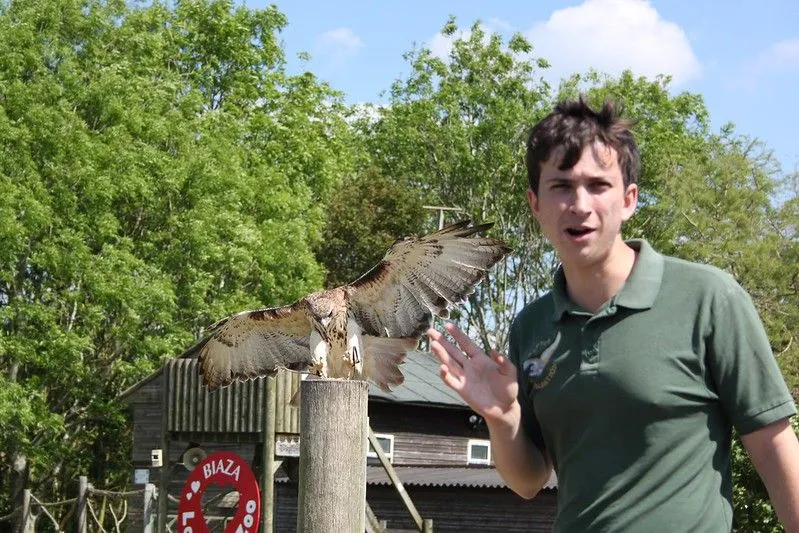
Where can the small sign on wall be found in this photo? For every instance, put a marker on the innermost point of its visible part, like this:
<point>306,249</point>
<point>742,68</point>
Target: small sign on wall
<point>141,476</point>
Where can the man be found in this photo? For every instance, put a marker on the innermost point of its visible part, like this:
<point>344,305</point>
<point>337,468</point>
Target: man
<point>628,377</point>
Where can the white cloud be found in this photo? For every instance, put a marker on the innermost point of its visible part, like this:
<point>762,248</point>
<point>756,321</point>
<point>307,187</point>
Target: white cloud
<point>611,36</point>
<point>784,54</point>
<point>499,25</point>
<point>337,46</point>
<point>779,58</point>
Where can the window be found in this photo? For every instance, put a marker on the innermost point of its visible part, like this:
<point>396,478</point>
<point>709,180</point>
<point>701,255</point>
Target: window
<point>387,443</point>
<point>479,452</point>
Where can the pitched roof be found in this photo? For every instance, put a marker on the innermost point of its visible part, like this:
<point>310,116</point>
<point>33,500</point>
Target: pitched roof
<point>422,384</point>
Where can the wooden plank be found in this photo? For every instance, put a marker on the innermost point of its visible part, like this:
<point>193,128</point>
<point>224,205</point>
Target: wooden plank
<point>268,460</point>
<point>395,480</point>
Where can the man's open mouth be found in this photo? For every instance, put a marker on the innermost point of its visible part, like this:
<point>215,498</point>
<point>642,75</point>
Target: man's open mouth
<point>578,232</point>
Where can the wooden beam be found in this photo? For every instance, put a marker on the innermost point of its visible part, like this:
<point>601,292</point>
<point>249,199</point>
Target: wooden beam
<point>333,443</point>
<point>396,481</point>
<point>163,482</point>
<point>268,460</point>
<point>149,516</point>
<point>373,525</point>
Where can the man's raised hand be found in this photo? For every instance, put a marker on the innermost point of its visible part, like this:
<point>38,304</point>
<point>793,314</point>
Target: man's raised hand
<point>487,384</point>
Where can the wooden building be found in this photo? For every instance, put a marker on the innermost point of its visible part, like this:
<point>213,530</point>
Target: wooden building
<point>436,444</point>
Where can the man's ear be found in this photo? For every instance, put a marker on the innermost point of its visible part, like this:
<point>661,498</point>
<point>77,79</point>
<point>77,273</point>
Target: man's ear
<point>630,202</point>
<point>532,201</point>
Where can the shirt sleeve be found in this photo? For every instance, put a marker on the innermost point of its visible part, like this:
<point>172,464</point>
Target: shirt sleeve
<point>750,385</point>
<point>530,423</point>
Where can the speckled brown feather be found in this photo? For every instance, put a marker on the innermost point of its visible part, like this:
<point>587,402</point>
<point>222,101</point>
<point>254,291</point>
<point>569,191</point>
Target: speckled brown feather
<point>256,343</point>
<point>423,276</point>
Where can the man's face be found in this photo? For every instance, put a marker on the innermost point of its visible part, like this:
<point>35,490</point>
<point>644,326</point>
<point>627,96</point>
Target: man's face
<point>581,209</point>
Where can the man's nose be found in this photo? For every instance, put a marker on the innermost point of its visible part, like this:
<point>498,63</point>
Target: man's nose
<point>580,204</point>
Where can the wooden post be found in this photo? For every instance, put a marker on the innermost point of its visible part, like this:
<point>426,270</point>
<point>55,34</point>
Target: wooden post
<point>333,442</point>
<point>83,494</point>
<point>149,515</point>
<point>163,484</point>
<point>268,462</point>
<point>27,522</point>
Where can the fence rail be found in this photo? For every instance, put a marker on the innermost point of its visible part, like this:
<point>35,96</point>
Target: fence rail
<point>111,513</point>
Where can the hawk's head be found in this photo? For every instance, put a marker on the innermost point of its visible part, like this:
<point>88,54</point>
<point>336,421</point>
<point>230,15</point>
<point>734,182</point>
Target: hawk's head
<point>321,307</point>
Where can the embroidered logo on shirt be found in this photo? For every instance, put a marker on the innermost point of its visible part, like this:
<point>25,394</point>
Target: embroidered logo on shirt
<point>537,368</point>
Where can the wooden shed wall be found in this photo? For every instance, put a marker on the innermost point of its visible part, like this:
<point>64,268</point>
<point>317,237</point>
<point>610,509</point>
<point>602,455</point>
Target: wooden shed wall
<point>423,435</point>
<point>147,410</point>
<point>237,408</point>
<point>426,435</point>
<point>452,509</point>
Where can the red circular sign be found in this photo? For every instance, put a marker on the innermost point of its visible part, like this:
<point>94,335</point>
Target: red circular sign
<point>220,468</point>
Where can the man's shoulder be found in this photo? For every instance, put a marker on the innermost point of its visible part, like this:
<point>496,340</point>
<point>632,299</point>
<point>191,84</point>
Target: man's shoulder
<point>542,304</point>
<point>534,321</point>
<point>692,275</point>
<point>536,311</point>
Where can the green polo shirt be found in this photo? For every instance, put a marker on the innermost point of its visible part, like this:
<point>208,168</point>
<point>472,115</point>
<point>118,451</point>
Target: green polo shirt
<point>636,403</point>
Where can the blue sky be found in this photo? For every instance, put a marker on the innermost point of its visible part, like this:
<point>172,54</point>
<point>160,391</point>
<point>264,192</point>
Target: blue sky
<point>742,56</point>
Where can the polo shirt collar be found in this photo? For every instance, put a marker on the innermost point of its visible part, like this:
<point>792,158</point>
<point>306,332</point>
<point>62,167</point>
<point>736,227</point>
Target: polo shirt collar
<point>638,292</point>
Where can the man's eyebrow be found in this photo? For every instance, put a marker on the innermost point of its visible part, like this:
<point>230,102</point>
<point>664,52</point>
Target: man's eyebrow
<point>558,179</point>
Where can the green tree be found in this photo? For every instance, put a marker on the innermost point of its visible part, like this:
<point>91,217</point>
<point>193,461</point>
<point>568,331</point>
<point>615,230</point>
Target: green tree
<point>456,128</point>
<point>160,169</point>
<point>367,213</point>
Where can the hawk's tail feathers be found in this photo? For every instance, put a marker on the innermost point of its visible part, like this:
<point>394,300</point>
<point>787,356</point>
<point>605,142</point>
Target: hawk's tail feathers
<point>382,357</point>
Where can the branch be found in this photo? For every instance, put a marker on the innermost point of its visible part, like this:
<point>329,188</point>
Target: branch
<point>73,314</point>
<point>47,514</point>
<point>94,516</point>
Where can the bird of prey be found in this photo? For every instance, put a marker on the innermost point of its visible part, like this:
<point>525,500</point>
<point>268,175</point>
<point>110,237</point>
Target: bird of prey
<point>360,330</point>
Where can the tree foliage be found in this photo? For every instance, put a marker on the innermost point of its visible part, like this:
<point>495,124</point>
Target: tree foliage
<point>367,213</point>
<point>159,169</point>
<point>458,126</point>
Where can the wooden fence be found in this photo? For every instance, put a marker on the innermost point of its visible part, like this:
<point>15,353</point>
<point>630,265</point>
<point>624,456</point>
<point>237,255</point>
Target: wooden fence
<point>93,510</point>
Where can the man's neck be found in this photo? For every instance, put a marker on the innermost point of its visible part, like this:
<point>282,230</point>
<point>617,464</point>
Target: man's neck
<point>592,286</point>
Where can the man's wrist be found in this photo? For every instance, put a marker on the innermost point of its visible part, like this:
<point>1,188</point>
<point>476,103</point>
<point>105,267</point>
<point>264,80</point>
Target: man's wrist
<point>506,421</point>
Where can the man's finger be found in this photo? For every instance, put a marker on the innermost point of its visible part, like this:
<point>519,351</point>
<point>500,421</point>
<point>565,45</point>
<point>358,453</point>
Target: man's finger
<point>504,364</point>
<point>450,380</point>
<point>463,340</point>
<point>444,358</point>
<point>446,353</point>
<point>451,352</point>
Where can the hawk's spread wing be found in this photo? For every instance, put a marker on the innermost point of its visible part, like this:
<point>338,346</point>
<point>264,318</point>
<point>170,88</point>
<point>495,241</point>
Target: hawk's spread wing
<point>254,343</point>
<point>422,276</point>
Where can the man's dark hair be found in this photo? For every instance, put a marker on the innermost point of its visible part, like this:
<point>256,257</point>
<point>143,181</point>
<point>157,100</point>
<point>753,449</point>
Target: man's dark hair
<point>571,126</point>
